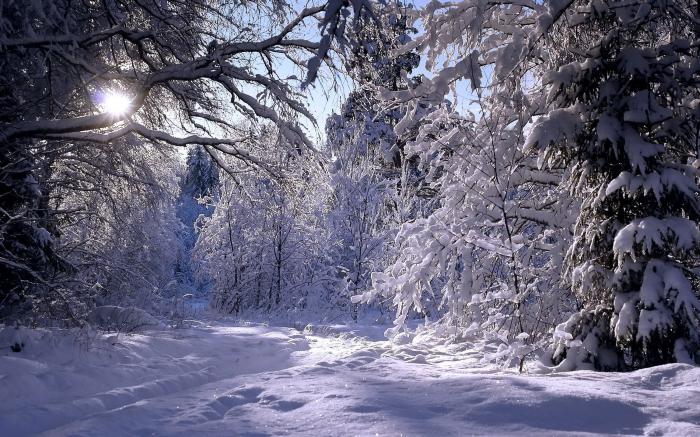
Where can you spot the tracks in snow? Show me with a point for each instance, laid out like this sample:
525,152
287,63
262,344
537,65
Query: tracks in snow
259,381
192,398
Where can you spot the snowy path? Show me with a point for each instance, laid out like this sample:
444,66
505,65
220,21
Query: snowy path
256,381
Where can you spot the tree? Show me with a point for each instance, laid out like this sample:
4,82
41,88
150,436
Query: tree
137,61
79,77
484,262
28,258
202,174
621,114
373,186
199,192
263,247
116,213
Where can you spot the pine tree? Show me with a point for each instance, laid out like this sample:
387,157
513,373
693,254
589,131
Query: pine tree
202,174
28,260
199,191
623,116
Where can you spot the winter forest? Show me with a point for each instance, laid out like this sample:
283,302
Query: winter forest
349,217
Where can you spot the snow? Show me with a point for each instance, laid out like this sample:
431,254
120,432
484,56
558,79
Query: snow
650,232
554,127
232,378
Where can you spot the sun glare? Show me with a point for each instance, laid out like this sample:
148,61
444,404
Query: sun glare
116,103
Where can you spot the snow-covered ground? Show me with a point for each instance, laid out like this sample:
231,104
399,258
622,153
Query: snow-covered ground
222,378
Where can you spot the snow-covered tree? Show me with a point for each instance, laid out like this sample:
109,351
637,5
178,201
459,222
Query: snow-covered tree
373,185
486,261
199,191
623,115
201,175
264,246
97,76
176,71
119,229
359,219
29,263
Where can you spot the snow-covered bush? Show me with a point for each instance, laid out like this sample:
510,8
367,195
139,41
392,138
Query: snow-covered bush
121,319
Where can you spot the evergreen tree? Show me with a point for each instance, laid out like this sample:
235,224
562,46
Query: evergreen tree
199,191
29,263
202,174
623,115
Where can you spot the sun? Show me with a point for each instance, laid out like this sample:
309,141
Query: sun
116,103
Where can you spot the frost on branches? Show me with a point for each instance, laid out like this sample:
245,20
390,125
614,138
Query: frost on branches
91,92
583,121
485,262
263,247
374,185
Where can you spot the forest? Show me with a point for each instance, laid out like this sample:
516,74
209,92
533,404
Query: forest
197,196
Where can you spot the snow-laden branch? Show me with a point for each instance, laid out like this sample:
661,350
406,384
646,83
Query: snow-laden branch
228,146
152,68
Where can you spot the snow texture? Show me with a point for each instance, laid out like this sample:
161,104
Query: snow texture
221,378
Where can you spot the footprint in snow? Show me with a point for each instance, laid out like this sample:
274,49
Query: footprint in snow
223,404
318,370
336,396
278,404
418,359
361,361
285,406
